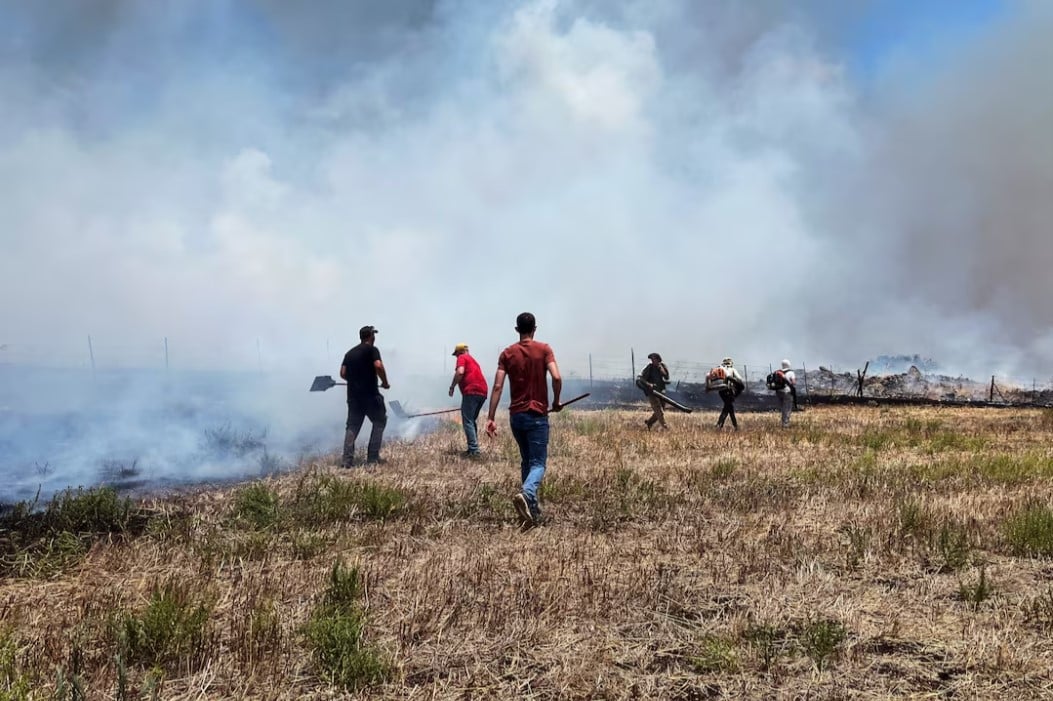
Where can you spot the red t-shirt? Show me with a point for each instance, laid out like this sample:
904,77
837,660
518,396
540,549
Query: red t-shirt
526,364
473,383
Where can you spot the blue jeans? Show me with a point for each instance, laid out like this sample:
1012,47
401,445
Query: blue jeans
531,433
471,405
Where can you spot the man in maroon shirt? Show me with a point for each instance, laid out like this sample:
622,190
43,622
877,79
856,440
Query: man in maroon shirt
525,365
469,377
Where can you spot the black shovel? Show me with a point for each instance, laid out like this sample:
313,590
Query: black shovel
324,382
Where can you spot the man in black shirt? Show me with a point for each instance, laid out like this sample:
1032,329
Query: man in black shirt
361,368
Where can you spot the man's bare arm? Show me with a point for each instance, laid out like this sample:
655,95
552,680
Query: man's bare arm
557,384
458,375
343,372
381,373
495,399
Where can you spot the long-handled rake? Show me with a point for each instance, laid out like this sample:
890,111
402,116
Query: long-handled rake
396,408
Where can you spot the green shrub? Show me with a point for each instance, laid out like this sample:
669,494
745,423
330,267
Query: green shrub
378,502
14,683
723,468
913,518
327,499
875,439
334,632
258,506
48,557
88,511
171,628
716,654
820,639
769,641
1029,532
976,594
952,547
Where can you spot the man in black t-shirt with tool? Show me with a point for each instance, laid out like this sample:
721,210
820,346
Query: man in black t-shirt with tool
361,368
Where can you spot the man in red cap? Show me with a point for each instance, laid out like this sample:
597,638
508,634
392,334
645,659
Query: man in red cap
469,377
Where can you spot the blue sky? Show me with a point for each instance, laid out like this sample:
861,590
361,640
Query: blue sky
915,30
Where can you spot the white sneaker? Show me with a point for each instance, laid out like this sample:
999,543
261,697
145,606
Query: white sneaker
523,509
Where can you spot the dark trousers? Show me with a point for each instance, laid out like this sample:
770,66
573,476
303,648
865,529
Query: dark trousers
728,397
358,409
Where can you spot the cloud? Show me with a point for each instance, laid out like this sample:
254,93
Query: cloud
700,178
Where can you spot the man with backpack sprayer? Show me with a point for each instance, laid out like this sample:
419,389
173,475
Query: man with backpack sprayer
653,378
729,385
784,382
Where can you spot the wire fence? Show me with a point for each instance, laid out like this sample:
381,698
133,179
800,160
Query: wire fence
901,378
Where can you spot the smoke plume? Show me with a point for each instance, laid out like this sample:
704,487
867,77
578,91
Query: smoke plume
255,180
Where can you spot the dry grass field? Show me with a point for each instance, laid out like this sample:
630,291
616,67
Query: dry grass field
865,552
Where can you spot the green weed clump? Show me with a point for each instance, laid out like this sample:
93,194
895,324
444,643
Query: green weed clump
258,506
15,685
820,639
171,629
875,440
46,542
770,643
1029,532
335,634
88,511
716,654
952,547
976,593
914,519
723,469
327,499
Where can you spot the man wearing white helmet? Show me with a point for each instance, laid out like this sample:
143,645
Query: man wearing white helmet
734,388
784,382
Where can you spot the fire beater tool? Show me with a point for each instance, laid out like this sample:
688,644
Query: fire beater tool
649,390
324,382
396,407
575,399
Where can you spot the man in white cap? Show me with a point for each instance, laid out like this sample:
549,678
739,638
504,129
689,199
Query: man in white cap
784,382
469,377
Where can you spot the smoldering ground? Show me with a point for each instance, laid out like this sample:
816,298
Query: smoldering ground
148,431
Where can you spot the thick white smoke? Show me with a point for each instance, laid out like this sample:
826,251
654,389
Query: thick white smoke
255,181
